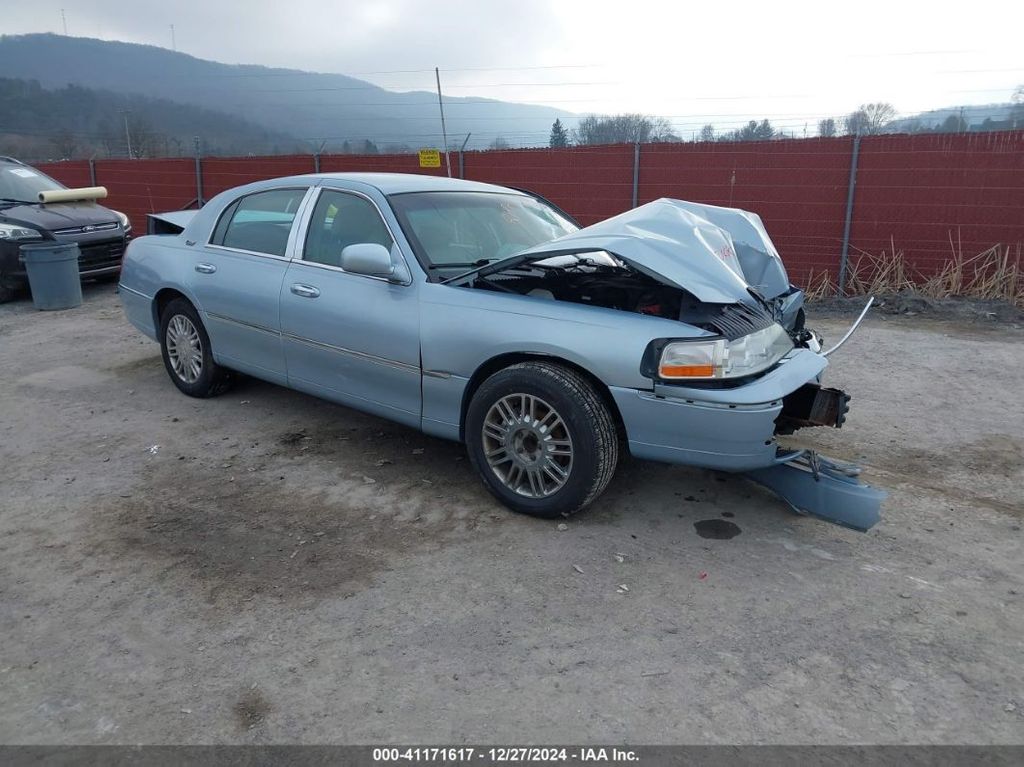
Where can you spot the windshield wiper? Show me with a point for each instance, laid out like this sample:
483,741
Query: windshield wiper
486,266
17,202
474,264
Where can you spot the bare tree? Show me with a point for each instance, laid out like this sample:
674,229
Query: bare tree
111,139
953,123
499,143
65,144
869,119
707,133
752,131
1017,112
146,142
623,129
827,128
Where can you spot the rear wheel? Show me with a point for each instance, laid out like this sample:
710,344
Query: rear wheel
541,438
185,347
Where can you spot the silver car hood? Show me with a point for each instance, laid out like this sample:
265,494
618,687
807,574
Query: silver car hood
717,254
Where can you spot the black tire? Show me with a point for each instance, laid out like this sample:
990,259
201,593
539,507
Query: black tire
8,289
212,379
583,415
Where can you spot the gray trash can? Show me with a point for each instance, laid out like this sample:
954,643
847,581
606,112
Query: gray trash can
52,269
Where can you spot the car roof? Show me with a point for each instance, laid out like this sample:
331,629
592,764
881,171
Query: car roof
400,183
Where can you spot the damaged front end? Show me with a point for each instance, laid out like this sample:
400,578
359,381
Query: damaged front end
812,405
743,353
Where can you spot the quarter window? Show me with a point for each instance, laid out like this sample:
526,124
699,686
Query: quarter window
259,222
340,220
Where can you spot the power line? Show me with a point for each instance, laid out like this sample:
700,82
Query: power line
472,85
298,73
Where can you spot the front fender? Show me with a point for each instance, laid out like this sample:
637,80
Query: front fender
462,328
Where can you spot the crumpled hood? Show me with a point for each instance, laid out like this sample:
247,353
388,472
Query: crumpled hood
717,254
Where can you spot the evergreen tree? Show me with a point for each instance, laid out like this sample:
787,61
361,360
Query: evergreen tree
559,135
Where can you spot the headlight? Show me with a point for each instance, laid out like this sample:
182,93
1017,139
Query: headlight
16,232
125,223
719,358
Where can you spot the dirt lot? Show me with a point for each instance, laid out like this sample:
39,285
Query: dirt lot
265,567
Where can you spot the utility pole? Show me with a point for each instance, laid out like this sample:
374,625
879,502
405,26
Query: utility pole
462,157
444,131
174,45
850,189
64,21
127,133
199,172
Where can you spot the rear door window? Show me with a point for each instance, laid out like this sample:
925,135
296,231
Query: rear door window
260,223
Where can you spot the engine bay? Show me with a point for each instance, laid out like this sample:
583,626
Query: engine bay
611,284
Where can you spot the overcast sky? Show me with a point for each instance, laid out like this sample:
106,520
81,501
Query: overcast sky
720,62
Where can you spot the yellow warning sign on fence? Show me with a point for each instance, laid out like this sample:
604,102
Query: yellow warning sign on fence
430,158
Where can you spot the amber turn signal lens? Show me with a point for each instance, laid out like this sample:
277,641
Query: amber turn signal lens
687,371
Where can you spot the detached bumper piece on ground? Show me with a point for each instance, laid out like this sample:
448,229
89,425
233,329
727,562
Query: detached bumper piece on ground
813,484
824,489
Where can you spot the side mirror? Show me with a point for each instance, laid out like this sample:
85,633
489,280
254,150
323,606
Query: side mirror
368,258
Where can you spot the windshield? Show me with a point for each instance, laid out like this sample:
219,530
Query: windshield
460,230
19,182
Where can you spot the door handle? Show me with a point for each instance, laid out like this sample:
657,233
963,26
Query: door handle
206,268
306,291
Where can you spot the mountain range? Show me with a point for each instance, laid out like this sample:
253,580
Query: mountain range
314,108
64,97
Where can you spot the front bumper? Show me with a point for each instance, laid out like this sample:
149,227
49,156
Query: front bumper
734,430
98,257
726,429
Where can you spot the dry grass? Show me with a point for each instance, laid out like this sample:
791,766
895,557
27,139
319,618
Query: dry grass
819,286
884,273
993,274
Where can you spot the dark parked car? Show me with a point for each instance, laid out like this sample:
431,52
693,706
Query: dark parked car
101,233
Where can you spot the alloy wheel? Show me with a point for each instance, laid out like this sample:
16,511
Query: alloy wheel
527,445
184,348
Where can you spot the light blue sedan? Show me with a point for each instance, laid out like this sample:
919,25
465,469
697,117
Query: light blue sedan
484,314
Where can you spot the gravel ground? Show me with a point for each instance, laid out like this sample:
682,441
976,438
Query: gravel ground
265,567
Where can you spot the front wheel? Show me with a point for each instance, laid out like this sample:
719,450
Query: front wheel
541,438
185,347
8,289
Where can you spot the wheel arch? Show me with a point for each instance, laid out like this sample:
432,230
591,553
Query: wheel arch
502,361
163,297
